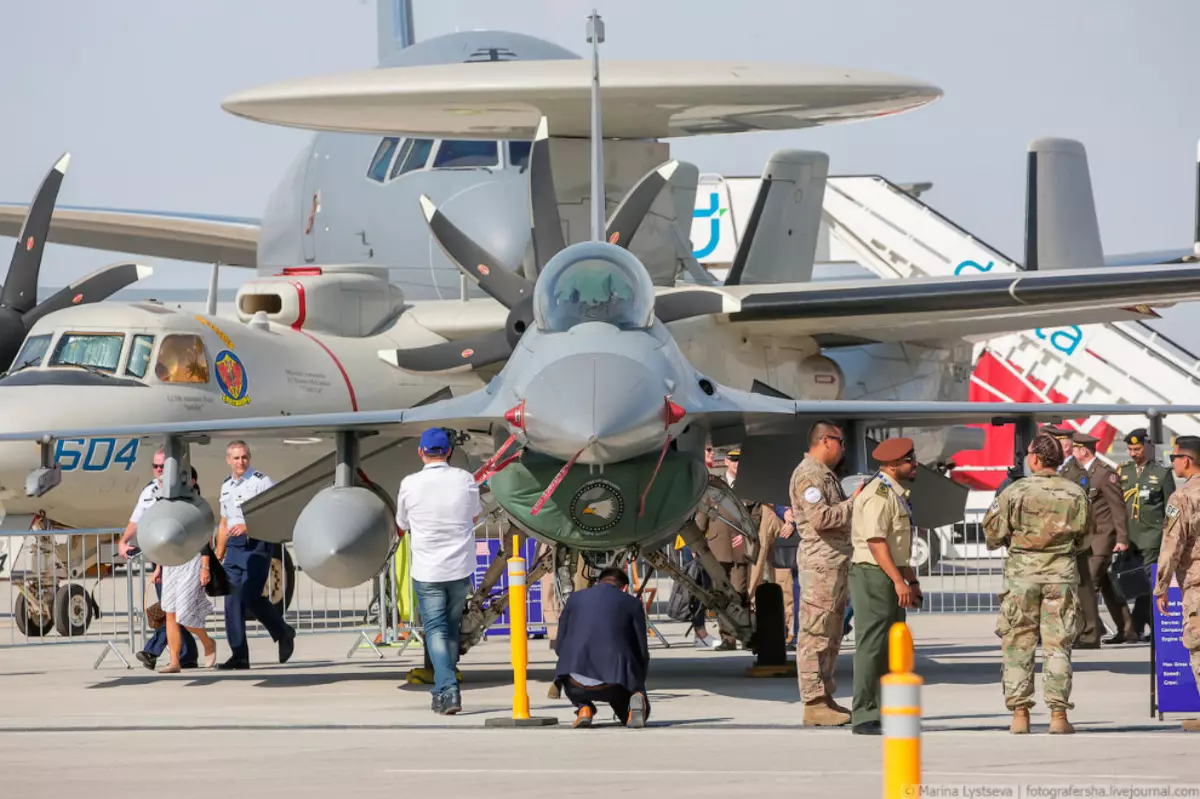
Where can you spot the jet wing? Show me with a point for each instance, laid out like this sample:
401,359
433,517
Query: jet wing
164,234
941,308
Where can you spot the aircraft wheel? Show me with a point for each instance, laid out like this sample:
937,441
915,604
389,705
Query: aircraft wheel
926,551
32,621
72,610
274,589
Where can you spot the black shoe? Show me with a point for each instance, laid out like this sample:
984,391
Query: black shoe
232,664
1089,645
191,664
637,711
867,728
147,660
451,702
436,702
287,645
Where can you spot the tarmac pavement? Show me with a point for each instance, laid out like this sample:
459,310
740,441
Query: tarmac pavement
323,725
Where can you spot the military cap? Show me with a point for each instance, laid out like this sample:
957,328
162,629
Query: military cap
733,454
1138,436
1085,439
892,450
1058,431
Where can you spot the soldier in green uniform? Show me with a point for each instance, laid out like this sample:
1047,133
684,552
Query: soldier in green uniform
1147,486
1041,520
882,584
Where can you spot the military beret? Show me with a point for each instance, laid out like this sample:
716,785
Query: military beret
892,450
1085,439
1138,436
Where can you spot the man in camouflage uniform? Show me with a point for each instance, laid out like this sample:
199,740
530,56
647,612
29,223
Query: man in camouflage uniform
1180,554
1041,520
1147,486
822,515
729,546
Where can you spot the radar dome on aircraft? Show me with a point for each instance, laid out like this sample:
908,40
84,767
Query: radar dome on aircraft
343,536
172,531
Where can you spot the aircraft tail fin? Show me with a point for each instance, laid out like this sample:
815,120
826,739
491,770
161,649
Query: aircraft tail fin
780,240
394,26
1061,229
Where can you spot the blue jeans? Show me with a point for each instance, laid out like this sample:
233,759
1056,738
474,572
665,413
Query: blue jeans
441,606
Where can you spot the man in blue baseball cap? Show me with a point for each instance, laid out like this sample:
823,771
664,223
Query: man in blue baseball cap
437,508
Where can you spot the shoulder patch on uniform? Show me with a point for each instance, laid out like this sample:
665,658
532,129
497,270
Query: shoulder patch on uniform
259,474
995,505
812,494
882,490
1172,511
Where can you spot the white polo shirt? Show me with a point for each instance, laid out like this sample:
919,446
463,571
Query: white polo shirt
145,499
436,507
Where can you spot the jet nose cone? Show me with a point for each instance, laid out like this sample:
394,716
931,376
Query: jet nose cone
609,404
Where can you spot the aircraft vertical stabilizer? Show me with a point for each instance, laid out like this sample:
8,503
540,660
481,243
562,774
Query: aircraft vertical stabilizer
780,239
394,26
1061,230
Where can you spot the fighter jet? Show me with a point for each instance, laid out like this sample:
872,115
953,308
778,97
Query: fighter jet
597,421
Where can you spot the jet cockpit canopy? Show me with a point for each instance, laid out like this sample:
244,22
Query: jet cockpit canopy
593,282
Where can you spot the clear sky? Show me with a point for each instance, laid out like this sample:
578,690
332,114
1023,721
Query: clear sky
133,90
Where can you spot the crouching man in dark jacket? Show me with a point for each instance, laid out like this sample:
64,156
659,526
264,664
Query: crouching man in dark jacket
603,654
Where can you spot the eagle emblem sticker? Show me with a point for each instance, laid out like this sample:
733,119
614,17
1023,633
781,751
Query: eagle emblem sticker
597,506
231,379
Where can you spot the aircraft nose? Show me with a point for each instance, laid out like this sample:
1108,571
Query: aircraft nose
608,405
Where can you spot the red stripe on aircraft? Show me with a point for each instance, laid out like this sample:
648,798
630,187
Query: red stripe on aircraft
298,326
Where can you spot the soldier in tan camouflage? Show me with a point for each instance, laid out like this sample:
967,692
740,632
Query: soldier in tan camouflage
1180,553
1041,520
822,515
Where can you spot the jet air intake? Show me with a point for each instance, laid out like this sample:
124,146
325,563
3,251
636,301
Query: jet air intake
343,536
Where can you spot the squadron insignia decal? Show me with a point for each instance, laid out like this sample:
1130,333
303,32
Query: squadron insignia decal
231,378
597,506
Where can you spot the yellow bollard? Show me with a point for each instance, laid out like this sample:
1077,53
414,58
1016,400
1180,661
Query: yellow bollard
518,634
901,712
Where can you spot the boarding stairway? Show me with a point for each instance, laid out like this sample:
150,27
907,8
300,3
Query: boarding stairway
891,232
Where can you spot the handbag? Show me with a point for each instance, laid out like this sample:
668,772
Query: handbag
783,551
155,617
1129,575
218,580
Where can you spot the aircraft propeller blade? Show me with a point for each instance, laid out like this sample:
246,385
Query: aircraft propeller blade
501,283
628,216
20,286
455,356
94,287
543,202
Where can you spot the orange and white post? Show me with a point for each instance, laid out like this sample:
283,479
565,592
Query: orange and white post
901,711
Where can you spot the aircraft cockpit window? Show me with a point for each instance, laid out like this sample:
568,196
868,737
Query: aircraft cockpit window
593,282
378,170
462,153
414,154
518,153
139,355
89,350
32,353
181,359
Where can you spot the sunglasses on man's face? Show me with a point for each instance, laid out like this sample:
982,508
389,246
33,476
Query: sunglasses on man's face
1175,455
157,466
838,439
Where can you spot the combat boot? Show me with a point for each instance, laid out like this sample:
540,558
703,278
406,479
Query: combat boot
1020,721
819,714
832,705
1059,724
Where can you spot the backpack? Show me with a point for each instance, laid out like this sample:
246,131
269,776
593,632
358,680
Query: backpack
683,606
